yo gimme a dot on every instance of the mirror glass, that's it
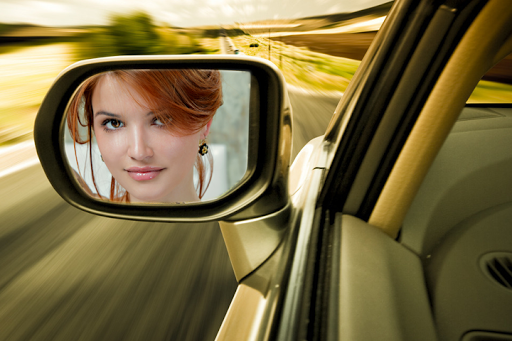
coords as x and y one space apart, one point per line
171 136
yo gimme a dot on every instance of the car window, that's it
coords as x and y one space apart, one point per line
496 84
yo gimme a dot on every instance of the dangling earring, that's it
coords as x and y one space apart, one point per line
101 156
203 147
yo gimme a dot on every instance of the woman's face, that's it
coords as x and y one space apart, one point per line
150 162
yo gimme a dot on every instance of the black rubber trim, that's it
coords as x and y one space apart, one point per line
319 313
325 298
310 278
351 93
386 70
331 324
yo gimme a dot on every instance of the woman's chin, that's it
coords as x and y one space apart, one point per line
171 199
146 198
152 192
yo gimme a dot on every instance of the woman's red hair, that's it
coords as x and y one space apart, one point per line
188 98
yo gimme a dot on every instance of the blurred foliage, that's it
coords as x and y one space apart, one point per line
135 34
6 28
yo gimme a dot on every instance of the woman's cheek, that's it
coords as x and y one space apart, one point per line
109 144
187 145
116 144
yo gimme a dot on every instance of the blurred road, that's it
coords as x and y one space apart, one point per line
311 115
226 44
69 275
17 157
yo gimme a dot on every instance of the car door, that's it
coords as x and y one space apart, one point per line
344 270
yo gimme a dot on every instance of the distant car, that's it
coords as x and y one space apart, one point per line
236 51
394 225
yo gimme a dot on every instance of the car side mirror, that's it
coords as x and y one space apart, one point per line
117 137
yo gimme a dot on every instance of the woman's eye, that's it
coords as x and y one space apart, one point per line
159 123
112 124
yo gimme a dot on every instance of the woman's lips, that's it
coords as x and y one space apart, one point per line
144 173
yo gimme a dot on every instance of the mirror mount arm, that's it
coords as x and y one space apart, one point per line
251 242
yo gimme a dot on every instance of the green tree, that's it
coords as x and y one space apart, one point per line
132 34
135 34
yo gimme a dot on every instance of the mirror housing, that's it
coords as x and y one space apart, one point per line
262 191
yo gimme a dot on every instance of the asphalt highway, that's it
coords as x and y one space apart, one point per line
70 275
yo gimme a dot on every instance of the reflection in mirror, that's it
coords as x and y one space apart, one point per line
159 136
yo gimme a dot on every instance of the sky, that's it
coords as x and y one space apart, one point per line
183 13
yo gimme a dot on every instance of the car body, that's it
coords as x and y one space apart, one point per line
378 230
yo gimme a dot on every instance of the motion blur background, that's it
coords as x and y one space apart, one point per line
66 274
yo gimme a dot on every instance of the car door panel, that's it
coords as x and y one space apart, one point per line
383 295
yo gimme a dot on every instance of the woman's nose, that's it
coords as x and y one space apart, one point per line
139 145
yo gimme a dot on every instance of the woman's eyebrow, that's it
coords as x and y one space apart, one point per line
106 113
